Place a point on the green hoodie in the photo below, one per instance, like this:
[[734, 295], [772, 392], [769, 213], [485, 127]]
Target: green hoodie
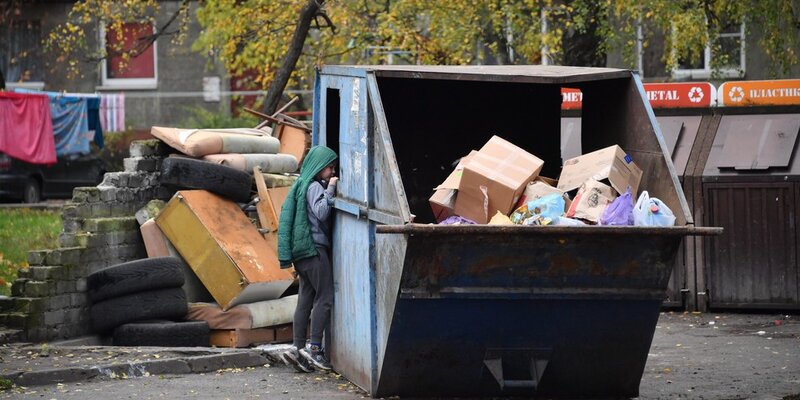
[[294, 230]]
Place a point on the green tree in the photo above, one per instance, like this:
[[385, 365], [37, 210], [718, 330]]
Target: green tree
[[279, 43]]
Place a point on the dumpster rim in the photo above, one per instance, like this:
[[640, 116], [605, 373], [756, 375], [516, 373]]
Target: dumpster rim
[[528, 230]]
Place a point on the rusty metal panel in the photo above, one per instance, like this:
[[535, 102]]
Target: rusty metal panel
[[490, 73], [754, 263], [680, 133], [223, 248], [754, 142]]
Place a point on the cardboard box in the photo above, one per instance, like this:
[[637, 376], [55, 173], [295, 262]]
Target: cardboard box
[[493, 179], [611, 164], [591, 200], [444, 198], [223, 248]]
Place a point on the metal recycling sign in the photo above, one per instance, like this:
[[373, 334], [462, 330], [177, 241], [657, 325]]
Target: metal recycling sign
[[760, 93], [661, 95]]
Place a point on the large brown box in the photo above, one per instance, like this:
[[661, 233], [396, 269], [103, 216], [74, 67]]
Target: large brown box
[[223, 248], [493, 179], [610, 163]]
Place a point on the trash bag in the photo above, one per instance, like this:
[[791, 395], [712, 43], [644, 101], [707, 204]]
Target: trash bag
[[500, 219], [539, 211], [457, 220], [620, 211], [566, 221], [650, 211]]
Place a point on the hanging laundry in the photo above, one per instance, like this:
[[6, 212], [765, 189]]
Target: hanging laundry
[[76, 120], [112, 112], [26, 128]]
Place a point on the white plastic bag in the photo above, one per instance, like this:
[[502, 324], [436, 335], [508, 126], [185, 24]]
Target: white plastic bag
[[650, 211]]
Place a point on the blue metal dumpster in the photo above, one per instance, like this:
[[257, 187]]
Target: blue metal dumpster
[[428, 310]]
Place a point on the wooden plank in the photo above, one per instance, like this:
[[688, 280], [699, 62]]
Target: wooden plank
[[242, 337], [267, 217]]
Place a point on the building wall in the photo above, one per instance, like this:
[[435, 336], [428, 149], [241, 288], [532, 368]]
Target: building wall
[[180, 72]]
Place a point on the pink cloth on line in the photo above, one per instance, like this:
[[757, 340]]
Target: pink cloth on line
[[26, 128]]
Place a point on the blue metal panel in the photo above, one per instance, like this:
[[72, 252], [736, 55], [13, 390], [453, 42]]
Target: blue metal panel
[[353, 315]]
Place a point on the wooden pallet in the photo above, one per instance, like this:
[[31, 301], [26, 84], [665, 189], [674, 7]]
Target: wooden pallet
[[247, 337]]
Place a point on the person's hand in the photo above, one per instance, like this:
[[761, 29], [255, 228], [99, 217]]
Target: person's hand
[[333, 180]]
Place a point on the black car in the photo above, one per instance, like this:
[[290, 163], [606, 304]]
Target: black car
[[32, 183]]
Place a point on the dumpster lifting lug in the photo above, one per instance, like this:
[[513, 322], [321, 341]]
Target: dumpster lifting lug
[[536, 367]]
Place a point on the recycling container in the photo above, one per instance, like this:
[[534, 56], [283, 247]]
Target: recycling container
[[433, 310]]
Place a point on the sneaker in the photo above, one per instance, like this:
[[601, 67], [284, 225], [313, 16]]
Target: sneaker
[[293, 358], [314, 354]]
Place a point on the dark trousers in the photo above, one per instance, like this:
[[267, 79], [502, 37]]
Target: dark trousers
[[315, 297]]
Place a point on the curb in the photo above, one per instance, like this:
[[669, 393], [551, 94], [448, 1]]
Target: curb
[[227, 358]]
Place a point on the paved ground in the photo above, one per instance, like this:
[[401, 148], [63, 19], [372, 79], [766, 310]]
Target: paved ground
[[693, 356]]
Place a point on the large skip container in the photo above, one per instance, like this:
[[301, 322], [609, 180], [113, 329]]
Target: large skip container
[[428, 310]]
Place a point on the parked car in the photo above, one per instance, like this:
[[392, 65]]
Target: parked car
[[33, 183]]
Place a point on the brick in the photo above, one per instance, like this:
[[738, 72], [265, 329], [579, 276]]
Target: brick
[[65, 287], [44, 273], [37, 257], [52, 318], [148, 147], [110, 224], [107, 193], [39, 289], [80, 285], [134, 164], [86, 194], [69, 211], [18, 287], [100, 210], [58, 302], [29, 305], [78, 300]]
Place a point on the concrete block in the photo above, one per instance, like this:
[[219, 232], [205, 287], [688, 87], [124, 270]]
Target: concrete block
[[30, 305], [80, 285], [72, 316], [136, 180], [86, 194], [100, 210], [58, 302], [18, 287], [78, 300], [52, 318], [65, 287], [24, 273], [73, 225], [69, 210], [110, 224], [6, 304], [44, 273], [37, 257], [115, 179], [77, 271], [107, 193], [149, 148], [140, 164], [151, 210], [39, 289]]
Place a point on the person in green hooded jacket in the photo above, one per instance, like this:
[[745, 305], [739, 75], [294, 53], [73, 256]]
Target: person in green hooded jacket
[[304, 240]]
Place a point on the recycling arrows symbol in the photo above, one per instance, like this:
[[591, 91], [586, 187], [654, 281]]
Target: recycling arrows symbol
[[696, 94], [736, 94]]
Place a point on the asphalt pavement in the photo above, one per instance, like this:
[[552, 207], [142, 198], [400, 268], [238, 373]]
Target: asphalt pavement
[[693, 356]]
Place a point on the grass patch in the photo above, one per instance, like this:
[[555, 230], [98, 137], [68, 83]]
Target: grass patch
[[22, 230]]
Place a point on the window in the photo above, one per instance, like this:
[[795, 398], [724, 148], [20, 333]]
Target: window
[[20, 57], [730, 56], [139, 72]]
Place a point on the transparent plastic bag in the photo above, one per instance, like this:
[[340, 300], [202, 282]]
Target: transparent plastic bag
[[650, 211], [620, 211]]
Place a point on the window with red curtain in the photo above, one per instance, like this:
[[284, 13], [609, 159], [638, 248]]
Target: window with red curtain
[[141, 66]]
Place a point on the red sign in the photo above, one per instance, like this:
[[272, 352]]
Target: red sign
[[681, 95], [571, 99], [661, 95]]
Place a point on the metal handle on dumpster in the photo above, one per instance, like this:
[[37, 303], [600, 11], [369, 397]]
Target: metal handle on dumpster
[[362, 211], [535, 365]]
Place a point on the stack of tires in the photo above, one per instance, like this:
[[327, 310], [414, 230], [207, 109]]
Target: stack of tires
[[141, 303]]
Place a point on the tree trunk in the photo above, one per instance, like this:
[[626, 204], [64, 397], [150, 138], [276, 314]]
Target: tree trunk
[[281, 78]]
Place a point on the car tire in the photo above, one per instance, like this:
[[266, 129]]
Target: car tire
[[186, 173], [163, 333], [153, 304], [135, 276], [32, 192]]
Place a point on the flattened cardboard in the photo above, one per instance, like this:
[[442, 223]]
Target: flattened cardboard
[[493, 179], [591, 200], [444, 198], [611, 163]]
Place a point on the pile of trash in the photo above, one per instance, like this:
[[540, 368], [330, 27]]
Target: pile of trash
[[216, 239], [500, 185]]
